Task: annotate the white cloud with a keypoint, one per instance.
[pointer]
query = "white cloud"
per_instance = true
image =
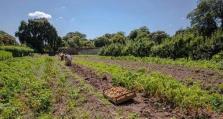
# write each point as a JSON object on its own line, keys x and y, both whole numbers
{"x": 39, "y": 14}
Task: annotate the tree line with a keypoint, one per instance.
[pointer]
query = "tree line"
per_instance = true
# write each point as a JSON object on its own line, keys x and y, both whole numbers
{"x": 202, "y": 40}
{"x": 42, "y": 36}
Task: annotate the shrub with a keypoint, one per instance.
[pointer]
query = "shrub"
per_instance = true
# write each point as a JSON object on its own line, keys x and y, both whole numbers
{"x": 142, "y": 48}
{"x": 137, "y": 48}
{"x": 184, "y": 44}
{"x": 114, "y": 49}
{"x": 218, "y": 57}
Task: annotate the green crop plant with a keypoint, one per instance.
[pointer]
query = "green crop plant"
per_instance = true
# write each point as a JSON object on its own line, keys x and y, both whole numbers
{"x": 207, "y": 64}
{"x": 220, "y": 86}
{"x": 24, "y": 87}
{"x": 159, "y": 85}
{"x": 18, "y": 51}
{"x": 5, "y": 55}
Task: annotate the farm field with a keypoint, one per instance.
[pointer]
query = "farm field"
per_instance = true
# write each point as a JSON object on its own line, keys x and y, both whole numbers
{"x": 158, "y": 90}
{"x": 42, "y": 86}
{"x": 204, "y": 73}
{"x": 111, "y": 59}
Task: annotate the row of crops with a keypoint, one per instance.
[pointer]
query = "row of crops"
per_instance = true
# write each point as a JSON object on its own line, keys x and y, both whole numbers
{"x": 7, "y": 52}
{"x": 5, "y": 55}
{"x": 17, "y": 51}
{"x": 208, "y": 64}
{"x": 23, "y": 86}
{"x": 26, "y": 86}
{"x": 191, "y": 99}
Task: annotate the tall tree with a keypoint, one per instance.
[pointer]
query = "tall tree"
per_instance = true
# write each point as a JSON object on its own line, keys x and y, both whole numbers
{"x": 158, "y": 36}
{"x": 139, "y": 34}
{"x": 206, "y": 16}
{"x": 119, "y": 37}
{"x": 38, "y": 34}
{"x": 217, "y": 10}
{"x": 103, "y": 40}
{"x": 77, "y": 40}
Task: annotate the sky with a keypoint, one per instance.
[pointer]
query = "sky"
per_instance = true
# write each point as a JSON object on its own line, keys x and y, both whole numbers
{"x": 97, "y": 17}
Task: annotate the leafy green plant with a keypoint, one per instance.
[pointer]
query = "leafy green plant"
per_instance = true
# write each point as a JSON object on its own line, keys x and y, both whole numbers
{"x": 112, "y": 50}
{"x": 24, "y": 86}
{"x": 5, "y": 55}
{"x": 159, "y": 85}
{"x": 208, "y": 64}
{"x": 17, "y": 51}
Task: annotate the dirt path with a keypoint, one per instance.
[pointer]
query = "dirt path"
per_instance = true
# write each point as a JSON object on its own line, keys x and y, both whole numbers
{"x": 89, "y": 103}
{"x": 208, "y": 79}
{"x": 145, "y": 106}
{"x": 92, "y": 104}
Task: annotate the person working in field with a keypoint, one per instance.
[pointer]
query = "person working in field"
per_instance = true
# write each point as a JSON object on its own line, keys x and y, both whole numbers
{"x": 68, "y": 59}
{"x": 61, "y": 55}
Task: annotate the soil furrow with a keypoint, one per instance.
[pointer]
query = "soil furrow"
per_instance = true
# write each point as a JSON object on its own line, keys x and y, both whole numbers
{"x": 145, "y": 106}
{"x": 90, "y": 103}
{"x": 208, "y": 79}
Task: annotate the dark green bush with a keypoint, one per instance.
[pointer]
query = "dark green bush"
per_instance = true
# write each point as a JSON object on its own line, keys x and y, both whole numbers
{"x": 142, "y": 48}
{"x": 136, "y": 48}
{"x": 186, "y": 43}
{"x": 114, "y": 49}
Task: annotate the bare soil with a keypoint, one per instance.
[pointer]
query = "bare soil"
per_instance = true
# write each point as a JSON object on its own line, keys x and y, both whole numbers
{"x": 94, "y": 106}
{"x": 90, "y": 105}
{"x": 207, "y": 78}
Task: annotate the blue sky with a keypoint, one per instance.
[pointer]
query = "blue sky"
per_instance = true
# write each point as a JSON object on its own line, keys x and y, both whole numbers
{"x": 97, "y": 17}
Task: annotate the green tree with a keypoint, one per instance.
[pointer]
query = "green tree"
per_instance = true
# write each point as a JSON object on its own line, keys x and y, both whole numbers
{"x": 119, "y": 37}
{"x": 141, "y": 33}
{"x": 75, "y": 39}
{"x": 217, "y": 10}
{"x": 103, "y": 40}
{"x": 159, "y": 36}
{"x": 114, "y": 49}
{"x": 38, "y": 34}
{"x": 23, "y": 33}
{"x": 88, "y": 44}
{"x": 206, "y": 16}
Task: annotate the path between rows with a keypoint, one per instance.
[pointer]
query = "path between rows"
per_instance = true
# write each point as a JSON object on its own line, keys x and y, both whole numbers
{"x": 208, "y": 79}
{"x": 92, "y": 104}
{"x": 145, "y": 106}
